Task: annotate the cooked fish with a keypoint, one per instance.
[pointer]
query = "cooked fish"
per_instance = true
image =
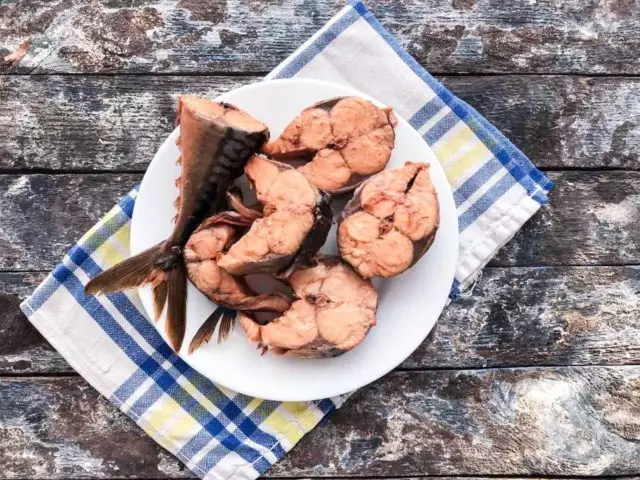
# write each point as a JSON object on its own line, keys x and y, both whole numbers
{"x": 335, "y": 309}
{"x": 344, "y": 140}
{"x": 390, "y": 222}
{"x": 210, "y": 240}
{"x": 216, "y": 140}
{"x": 296, "y": 222}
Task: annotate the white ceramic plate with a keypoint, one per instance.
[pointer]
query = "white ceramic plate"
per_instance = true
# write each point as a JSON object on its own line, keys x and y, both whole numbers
{"x": 409, "y": 304}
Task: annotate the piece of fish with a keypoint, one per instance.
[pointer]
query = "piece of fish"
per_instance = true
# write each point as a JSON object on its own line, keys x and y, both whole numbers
{"x": 216, "y": 140}
{"x": 297, "y": 219}
{"x": 335, "y": 309}
{"x": 390, "y": 222}
{"x": 344, "y": 140}
{"x": 201, "y": 253}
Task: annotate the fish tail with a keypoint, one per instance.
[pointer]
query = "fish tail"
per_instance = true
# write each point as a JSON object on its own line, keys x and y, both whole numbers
{"x": 130, "y": 273}
{"x": 221, "y": 315}
{"x": 176, "y": 281}
{"x": 166, "y": 271}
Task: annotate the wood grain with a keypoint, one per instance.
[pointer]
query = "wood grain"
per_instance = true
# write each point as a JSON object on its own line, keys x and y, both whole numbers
{"x": 118, "y": 122}
{"x": 589, "y": 221}
{"x": 559, "y": 421}
{"x": 539, "y": 316}
{"x": 569, "y": 421}
{"x": 23, "y": 351}
{"x": 68, "y": 205}
{"x": 238, "y": 36}
{"x": 93, "y": 123}
{"x": 513, "y": 317}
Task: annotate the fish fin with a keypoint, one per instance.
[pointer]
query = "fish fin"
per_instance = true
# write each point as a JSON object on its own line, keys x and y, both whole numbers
{"x": 276, "y": 302}
{"x": 206, "y": 330}
{"x": 177, "y": 305}
{"x": 234, "y": 219}
{"x": 235, "y": 201}
{"x": 159, "y": 298}
{"x": 132, "y": 272}
{"x": 226, "y": 325}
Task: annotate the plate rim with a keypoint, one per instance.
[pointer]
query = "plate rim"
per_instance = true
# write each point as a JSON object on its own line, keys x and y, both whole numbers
{"x": 143, "y": 291}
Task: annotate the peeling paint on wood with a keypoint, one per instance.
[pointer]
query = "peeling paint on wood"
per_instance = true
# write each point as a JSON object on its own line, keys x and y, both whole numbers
{"x": 93, "y": 123}
{"x": 118, "y": 122}
{"x": 560, "y": 421}
{"x": 563, "y": 421}
{"x": 561, "y": 121}
{"x": 513, "y": 317}
{"x": 14, "y": 58}
{"x": 238, "y": 36}
{"x": 62, "y": 428}
{"x": 586, "y": 209}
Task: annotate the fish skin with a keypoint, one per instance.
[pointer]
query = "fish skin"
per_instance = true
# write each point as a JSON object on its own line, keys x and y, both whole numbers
{"x": 213, "y": 154}
{"x": 216, "y": 140}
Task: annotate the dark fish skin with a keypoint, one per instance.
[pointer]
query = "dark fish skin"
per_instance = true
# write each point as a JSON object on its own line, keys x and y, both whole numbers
{"x": 216, "y": 140}
{"x": 318, "y": 234}
{"x": 217, "y": 156}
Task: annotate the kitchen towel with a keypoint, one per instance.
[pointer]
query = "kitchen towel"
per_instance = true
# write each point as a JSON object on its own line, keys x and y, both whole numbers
{"x": 220, "y": 434}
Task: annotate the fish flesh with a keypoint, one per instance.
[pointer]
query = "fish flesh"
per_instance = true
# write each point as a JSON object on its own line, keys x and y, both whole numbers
{"x": 216, "y": 140}
{"x": 297, "y": 219}
{"x": 210, "y": 240}
{"x": 343, "y": 141}
{"x": 390, "y": 222}
{"x": 334, "y": 310}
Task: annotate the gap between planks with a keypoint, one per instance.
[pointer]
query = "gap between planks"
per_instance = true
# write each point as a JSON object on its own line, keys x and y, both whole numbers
{"x": 66, "y": 375}
{"x": 262, "y": 73}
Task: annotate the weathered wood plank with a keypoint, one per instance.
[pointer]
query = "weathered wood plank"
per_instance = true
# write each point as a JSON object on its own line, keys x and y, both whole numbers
{"x": 23, "y": 350}
{"x": 561, "y": 121}
{"x": 574, "y": 421}
{"x": 590, "y": 219}
{"x": 539, "y": 316}
{"x": 68, "y": 205}
{"x": 233, "y": 35}
{"x": 61, "y": 428}
{"x": 513, "y": 317}
{"x": 93, "y": 123}
{"x": 118, "y": 122}
{"x": 561, "y": 421}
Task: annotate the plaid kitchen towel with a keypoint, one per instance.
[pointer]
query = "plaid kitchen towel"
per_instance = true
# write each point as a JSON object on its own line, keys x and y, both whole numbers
{"x": 220, "y": 434}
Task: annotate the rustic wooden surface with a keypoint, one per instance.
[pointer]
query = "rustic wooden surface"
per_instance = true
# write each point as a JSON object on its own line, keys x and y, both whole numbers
{"x": 118, "y": 121}
{"x": 533, "y": 373}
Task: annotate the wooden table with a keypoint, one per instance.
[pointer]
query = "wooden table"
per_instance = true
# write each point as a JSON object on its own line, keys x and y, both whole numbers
{"x": 535, "y": 373}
